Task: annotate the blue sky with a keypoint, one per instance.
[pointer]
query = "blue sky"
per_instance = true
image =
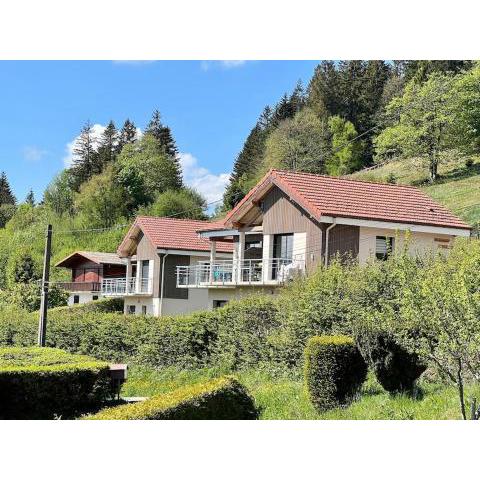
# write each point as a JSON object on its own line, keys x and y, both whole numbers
{"x": 210, "y": 107}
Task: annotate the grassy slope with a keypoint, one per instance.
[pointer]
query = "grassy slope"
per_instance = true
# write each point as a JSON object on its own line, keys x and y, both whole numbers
{"x": 284, "y": 398}
{"x": 458, "y": 187}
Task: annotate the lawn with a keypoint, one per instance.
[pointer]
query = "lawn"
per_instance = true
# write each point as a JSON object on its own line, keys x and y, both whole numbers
{"x": 284, "y": 398}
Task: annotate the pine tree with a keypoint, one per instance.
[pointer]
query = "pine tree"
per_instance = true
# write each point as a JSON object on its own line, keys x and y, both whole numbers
{"x": 107, "y": 149}
{"x": 128, "y": 134}
{"x": 30, "y": 198}
{"x": 6, "y": 195}
{"x": 85, "y": 157}
{"x": 162, "y": 133}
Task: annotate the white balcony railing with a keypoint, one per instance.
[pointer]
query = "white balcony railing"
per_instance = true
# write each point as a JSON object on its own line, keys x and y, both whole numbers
{"x": 121, "y": 287}
{"x": 273, "y": 271}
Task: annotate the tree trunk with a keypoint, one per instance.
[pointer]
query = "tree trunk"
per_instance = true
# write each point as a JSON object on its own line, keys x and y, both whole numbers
{"x": 433, "y": 168}
{"x": 460, "y": 389}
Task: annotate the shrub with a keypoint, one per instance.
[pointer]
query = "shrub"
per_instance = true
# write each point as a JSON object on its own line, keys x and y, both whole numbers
{"x": 243, "y": 330}
{"x": 42, "y": 383}
{"x": 395, "y": 368}
{"x": 334, "y": 370}
{"x": 220, "y": 399}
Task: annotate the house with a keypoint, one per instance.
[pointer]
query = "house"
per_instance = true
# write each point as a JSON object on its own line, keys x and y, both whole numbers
{"x": 290, "y": 223}
{"x": 152, "y": 250}
{"x": 88, "y": 271}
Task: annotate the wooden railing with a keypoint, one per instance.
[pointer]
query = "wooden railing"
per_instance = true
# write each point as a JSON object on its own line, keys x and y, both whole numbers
{"x": 79, "y": 286}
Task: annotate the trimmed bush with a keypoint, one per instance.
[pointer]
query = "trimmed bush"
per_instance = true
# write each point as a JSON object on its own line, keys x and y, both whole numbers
{"x": 221, "y": 399}
{"x": 395, "y": 368}
{"x": 44, "y": 383}
{"x": 334, "y": 370}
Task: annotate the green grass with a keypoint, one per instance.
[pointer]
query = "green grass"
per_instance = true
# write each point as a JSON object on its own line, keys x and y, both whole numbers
{"x": 458, "y": 187}
{"x": 284, "y": 397}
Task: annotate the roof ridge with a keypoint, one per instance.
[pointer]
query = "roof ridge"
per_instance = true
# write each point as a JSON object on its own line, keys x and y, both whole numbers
{"x": 175, "y": 219}
{"x": 353, "y": 180}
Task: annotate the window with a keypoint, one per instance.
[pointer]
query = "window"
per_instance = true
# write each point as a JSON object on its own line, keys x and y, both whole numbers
{"x": 131, "y": 309}
{"x": 219, "y": 303}
{"x": 283, "y": 246}
{"x": 76, "y": 299}
{"x": 283, "y": 250}
{"x": 95, "y": 297}
{"x": 144, "y": 309}
{"x": 384, "y": 247}
{"x": 145, "y": 271}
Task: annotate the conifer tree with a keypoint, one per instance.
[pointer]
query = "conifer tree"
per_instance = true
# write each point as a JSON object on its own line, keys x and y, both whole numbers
{"x": 128, "y": 134}
{"x": 85, "y": 157}
{"x": 107, "y": 149}
{"x": 162, "y": 133}
{"x": 6, "y": 195}
{"x": 30, "y": 198}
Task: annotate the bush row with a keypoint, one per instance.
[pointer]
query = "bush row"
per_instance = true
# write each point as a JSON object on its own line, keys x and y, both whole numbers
{"x": 44, "y": 383}
{"x": 233, "y": 336}
{"x": 220, "y": 399}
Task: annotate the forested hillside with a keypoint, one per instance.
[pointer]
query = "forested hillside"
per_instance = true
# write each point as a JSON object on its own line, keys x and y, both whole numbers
{"x": 403, "y": 121}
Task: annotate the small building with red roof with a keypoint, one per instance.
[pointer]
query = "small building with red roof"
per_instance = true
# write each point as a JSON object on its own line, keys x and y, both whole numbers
{"x": 152, "y": 250}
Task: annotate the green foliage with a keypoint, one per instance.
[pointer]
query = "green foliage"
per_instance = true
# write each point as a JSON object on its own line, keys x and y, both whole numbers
{"x": 101, "y": 200}
{"x": 6, "y": 194}
{"x": 346, "y": 153}
{"x": 422, "y": 121}
{"x": 466, "y": 100}
{"x": 300, "y": 143}
{"x": 7, "y": 211}
{"x": 221, "y": 399}
{"x": 334, "y": 371}
{"x": 42, "y": 383}
{"x": 396, "y": 368}
{"x": 145, "y": 170}
{"x": 59, "y": 195}
{"x": 27, "y": 296}
{"x": 318, "y": 305}
{"x": 183, "y": 203}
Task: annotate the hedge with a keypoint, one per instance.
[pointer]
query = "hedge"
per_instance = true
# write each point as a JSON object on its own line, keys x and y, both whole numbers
{"x": 334, "y": 370}
{"x": 45, "y": 383}
{"x": 395, "y": 368}
{"x": 233, "y": 336}
{"x": 221, "y": 399}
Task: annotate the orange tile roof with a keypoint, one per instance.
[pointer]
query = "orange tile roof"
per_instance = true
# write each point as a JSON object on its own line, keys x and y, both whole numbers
{"x": 175, "y": 234}
{"x": 322, "y": 195}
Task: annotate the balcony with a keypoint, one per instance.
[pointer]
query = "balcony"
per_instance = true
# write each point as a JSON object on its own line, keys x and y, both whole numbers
{"x": 79, "y": 286}
{"x": 112, "y": 287}
{"x": 230, "y": 273}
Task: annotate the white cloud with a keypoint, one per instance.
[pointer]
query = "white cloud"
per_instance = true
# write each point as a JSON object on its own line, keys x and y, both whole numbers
{"x": 226, "y": 64}
{"x": 33, "y": 154}
{"x": 97, "y": 131}
{"x": 211, "y": 186}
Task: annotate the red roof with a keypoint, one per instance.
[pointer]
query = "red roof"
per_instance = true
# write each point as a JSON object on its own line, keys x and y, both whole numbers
{"x": 322, "y": 195}
{"x": 174, "y": 234}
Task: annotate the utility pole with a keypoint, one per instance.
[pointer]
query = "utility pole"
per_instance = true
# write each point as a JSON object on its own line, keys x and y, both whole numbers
{"x": 42, "y": 323}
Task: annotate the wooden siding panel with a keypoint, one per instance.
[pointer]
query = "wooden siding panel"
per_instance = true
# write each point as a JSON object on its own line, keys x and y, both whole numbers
{"x": 344, "y": 240}
{"x": 281, "y": 215}
{"x": 146, "y": 251}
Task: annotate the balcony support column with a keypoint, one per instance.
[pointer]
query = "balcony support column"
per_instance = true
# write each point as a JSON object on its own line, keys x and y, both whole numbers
{"x": 267, "y": 254}
{"x": 240, "y": 255}
{"x": 128, "y": 276}
{"x": 213, "y": 254}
